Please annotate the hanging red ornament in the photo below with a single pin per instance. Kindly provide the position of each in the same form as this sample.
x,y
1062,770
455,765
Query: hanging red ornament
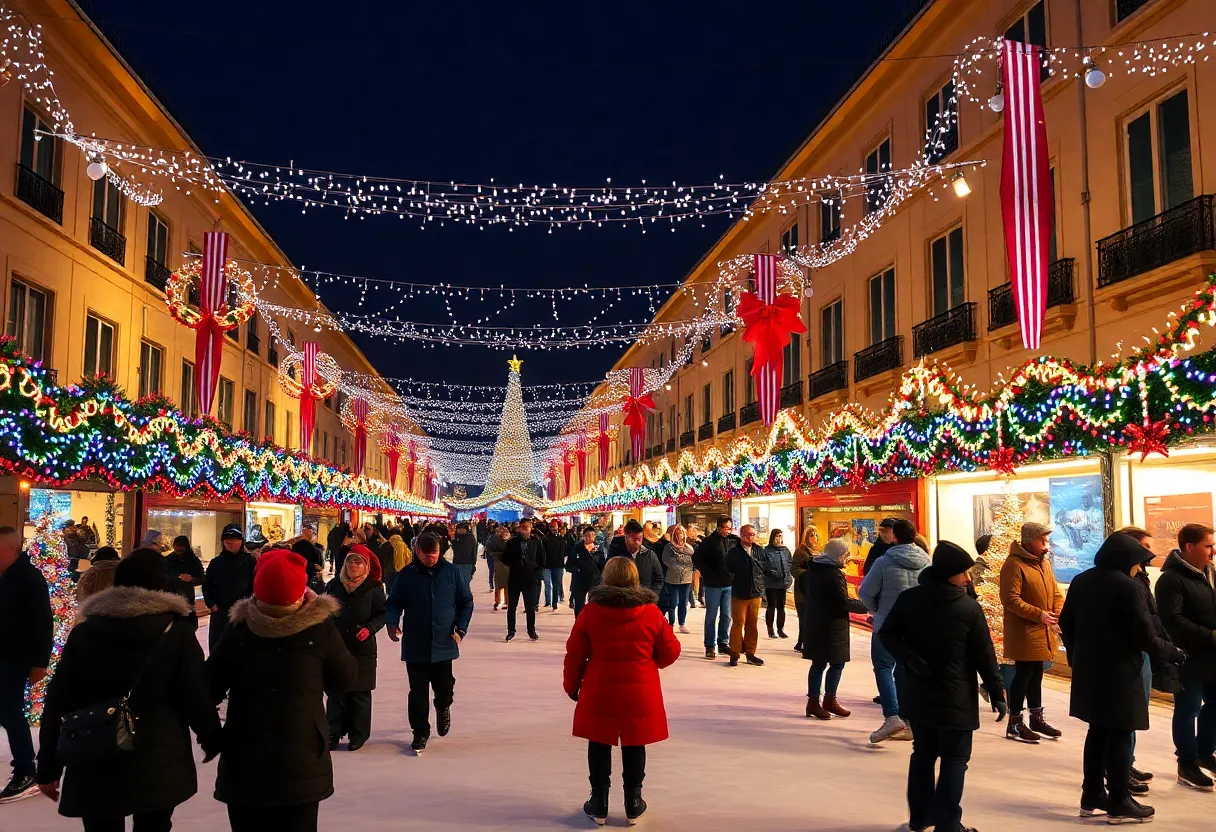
x,y
1147,438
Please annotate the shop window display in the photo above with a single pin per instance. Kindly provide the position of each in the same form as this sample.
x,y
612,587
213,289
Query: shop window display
x,y
202,526
1164,494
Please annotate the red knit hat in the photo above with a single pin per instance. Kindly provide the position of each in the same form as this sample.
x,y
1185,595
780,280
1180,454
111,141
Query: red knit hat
x,y
280,578
373,562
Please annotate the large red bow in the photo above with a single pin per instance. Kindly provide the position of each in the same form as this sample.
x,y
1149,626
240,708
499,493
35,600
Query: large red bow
x,y
768,327
635,410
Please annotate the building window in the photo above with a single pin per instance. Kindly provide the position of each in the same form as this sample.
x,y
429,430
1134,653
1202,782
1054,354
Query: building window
x,y
942,137
38,154
688,423
251,334
151,367
1159,158
1031,28
251,412
878,185
707,403
882,306
98,346
1053,252
749,381
29,319
227,401
107,204
728,392
946,252
158,240
324,445
707,342
689,350
671,420
789,239
189,397
288,426
831,330
344,450
792,359
270,426
829,218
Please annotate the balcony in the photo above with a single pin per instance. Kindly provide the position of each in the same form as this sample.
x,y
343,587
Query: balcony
x,y
108,241
832,377
156,273
706,431
252,342
791,394
39,194
1060,291
1171,235
726,422
670,445
749,413
952,327
688,438
1126,8
878,358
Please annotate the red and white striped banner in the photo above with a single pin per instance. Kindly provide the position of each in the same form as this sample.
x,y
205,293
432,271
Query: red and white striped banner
x,y
1026,199
768,378
392,452
358,407
308,400
208,339
580,451
638,407
430,481
604,441
410,465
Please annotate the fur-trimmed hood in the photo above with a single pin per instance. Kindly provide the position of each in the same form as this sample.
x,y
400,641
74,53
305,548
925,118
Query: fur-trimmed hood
x,y
621,596
131,602
314,610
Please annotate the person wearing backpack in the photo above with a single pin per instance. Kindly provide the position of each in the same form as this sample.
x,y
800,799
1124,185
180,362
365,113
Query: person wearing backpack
x,y
133,640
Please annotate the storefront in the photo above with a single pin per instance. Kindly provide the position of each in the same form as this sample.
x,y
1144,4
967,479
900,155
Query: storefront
x,y
86,503
702,516
199,520
324,520
663,515
770,513
1163,494
272,522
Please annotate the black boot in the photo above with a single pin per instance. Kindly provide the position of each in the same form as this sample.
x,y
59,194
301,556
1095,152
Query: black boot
x,y
635,807
1129,811
596,806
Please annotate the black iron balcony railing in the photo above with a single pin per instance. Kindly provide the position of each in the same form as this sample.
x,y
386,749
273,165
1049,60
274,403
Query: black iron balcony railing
x,y
749,413
954,326
156,273
107,240
1060,291
791,394
40,194
670,445
1171,235
688,438
706,431
878,358
726,422
832,377
1126,8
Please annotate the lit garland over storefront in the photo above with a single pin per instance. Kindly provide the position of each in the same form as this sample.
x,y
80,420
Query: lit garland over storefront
x,y
57,435
1048,409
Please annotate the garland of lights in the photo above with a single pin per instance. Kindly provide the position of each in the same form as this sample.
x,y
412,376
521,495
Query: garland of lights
x,y
1048,409
48,552
229,315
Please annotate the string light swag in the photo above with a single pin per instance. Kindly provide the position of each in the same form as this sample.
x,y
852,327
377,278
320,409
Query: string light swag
x,y
238,306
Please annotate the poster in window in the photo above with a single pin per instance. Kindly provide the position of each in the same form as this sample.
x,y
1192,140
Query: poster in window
x,y
840,528
1165,515
1035,505
1078,523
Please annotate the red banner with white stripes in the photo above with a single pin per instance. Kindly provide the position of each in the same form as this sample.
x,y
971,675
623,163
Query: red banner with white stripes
x,y
638,405
392,452
768,376
208,343
1026,198
603,440
359,408
308,399
410,465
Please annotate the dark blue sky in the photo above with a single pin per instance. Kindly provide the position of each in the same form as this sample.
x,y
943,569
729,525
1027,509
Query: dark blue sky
x,y
566,92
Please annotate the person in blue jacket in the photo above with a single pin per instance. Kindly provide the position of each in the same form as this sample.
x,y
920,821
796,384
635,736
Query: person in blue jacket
x,y
433,605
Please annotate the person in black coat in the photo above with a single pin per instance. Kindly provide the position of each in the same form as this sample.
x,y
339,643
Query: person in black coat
x,y
362,616
886,539
315,561
26,635
585,563
826,608
280,653
555,567
710,560
335,540
132,625
228,579
1106,629
524,556
939,634
631,545
464,552
185,572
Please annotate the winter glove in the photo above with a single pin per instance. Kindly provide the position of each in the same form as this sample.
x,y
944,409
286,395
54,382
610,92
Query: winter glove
x,y
363,634
919,666
1002,709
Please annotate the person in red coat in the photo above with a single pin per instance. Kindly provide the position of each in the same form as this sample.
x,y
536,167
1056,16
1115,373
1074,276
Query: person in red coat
x,y
613,657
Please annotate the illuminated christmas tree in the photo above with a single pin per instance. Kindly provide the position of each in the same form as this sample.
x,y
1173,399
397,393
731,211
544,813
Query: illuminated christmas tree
x,y
514,466
49,554
1006,528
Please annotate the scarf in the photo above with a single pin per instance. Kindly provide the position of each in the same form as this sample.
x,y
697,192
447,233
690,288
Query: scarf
x,y
347,581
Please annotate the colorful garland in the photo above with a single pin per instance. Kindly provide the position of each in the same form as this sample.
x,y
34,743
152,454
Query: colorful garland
x,y
55,436
177,295
48,553
1048,409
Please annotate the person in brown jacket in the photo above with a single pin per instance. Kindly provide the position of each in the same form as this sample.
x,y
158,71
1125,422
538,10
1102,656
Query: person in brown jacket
x,y
1032,601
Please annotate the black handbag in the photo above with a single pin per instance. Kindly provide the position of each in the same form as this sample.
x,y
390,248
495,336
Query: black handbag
x,y
103,731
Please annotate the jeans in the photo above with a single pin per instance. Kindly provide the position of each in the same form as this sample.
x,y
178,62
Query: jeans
x,y
1196,700
776,609
599,764
887,675
1027,686
299,818
938,805
424,677
159,821
490,571
717,608
814,678
1146,676
579,596
553,586
744,632
466,573
531,595
1107,763
678,594
12,718
349,714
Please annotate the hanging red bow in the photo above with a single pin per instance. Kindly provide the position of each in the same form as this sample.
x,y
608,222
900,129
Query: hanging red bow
x,y
636,409
768,327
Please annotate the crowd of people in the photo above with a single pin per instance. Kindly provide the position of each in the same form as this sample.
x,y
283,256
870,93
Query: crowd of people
x,y
290,651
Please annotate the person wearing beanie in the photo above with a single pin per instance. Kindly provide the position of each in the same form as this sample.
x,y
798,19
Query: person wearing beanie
x,y
825,634
938,633
228,579
153,539
1032,602
362,616
280,651
133,637
185,572
429,610
886,539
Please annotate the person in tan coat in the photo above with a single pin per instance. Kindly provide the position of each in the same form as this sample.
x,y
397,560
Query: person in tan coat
x,y
1032,601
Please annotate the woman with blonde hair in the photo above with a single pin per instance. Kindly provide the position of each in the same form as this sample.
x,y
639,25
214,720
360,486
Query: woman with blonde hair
x,y
613,657
677,557
802,556
401,554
